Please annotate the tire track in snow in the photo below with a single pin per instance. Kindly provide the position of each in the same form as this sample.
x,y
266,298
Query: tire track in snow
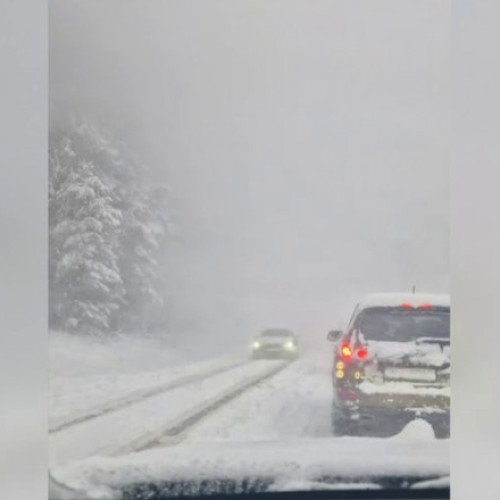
x,y
137,426
296,403
138,397
173,433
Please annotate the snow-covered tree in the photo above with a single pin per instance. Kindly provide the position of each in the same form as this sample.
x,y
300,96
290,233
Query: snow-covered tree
x,y
140,242
150,245
85,275
107,233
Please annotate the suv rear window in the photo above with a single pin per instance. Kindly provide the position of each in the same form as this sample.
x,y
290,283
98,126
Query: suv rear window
x,y
395,324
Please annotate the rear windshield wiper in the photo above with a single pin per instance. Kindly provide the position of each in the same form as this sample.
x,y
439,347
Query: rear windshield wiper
x,y
441,341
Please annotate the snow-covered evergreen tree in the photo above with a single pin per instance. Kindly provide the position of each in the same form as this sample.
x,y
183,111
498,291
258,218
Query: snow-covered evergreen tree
x,y
85,225
140,242
143,262
107,234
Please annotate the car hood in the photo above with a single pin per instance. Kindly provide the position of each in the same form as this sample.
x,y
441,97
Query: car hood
x,y
410,457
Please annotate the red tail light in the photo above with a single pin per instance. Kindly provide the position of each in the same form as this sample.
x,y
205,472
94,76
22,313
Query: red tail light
x,y
346,351
362,353
407,305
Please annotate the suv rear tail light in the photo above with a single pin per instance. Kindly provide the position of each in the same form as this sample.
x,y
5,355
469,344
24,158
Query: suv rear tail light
x,y
362,353
346,351
407,305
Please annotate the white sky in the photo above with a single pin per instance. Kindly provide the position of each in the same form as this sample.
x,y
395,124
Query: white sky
x,y
306,143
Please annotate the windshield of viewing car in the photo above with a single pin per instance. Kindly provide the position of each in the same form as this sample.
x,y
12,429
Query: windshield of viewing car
x,y
402,325
226,181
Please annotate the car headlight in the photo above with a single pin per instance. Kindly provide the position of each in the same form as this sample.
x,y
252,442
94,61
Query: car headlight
x,y
290,346
256,345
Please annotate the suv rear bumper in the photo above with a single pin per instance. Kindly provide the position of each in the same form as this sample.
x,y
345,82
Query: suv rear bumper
x,y
386,421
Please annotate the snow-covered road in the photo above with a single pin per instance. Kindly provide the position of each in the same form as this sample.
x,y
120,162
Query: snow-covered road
x,y
77,399
294,403
267,418
134,426
250,402
234,400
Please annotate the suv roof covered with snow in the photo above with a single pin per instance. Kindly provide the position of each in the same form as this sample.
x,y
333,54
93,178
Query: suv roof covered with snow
x,y
397,299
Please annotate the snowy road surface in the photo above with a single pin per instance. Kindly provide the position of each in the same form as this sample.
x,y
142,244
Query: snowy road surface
x,y
294,403
133,426
78,398
235,400
249,403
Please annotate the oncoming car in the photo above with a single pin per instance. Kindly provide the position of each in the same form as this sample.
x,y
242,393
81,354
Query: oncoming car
x,y
275,343
392,365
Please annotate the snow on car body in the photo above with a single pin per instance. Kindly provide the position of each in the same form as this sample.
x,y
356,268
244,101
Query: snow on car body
x,y
409,459
392,364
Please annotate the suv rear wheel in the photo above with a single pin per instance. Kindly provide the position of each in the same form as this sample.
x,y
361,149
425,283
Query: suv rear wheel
x,y
442,430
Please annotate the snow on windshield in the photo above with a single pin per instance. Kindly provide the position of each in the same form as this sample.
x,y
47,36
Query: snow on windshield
x,y
224,172
304,460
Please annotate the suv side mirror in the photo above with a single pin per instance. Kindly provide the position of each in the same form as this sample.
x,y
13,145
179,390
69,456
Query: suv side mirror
x,y
334,335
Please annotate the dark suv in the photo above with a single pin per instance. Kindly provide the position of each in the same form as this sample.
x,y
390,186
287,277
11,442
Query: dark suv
x,y
392,365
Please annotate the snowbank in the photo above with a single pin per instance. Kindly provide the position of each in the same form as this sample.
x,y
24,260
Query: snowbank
x,y
76,356
73,356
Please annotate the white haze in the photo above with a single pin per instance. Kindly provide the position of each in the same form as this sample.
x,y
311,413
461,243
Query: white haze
x,y
305,144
